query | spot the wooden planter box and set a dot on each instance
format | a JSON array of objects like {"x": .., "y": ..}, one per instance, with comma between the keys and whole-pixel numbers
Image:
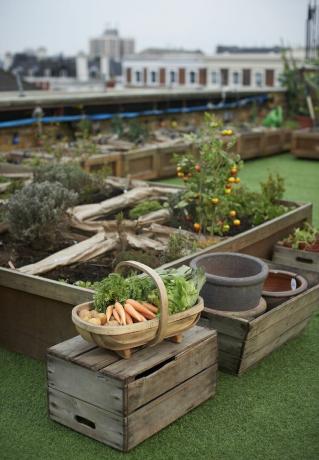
[
  {"x": 249, "y": 145},
  {"x": 165, "y": 152},
  {"x": 306, "y": 260},
  {"x": 114, "y": 161},
  {"x": 141, "y": 163},
  {"x": 272, "y": 142},
  {"x": 305, "y": 144},
  {"x": 242, "y": 344},
  {"x": 123, "y": 402},
  {"x": 286, "y": 139},
  {"x": 35, "y": 300}
]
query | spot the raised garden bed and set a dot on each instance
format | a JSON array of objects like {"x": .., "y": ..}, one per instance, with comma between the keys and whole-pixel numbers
[
  {"x": 249, "y": 145},
  {"x": 272, "y": 142},
  {"x": 37, "y": 300},
  {"x": 244, "y": 343},
  {"x": 305, "y": 144}
]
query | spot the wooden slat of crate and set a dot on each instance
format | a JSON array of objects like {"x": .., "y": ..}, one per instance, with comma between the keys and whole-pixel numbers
[
  {"x": 296, "y": 258},
  {"x": 86, "y": 418},
  {"x": 157, "y": 384}
]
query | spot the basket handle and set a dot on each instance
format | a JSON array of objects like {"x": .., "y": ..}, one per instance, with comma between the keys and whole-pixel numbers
[{"x": 163, "y": 318}]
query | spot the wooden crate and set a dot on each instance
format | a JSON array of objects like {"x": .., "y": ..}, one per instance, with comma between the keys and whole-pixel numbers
[
  {"x": 141, "y": 163},
  {"x": 296, "y": 258},
  {"x": 249, "y": 145},
  {"x": 305, "y": 144},
  {"x": 123, "y": 402},
  {"x": 114, "y": 161},
  {"x": 272, "y": 142},
  {"x": 242, "y": 344}
]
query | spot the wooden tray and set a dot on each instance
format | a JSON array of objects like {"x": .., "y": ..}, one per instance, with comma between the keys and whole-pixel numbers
[{"x": 123, "y": 338}]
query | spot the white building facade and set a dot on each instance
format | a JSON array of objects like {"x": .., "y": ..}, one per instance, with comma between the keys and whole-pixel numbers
[{"x": 224, "y": 71}]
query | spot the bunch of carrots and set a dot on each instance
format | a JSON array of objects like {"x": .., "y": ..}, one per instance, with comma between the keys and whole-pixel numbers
[{"x": 118, "y": 314}]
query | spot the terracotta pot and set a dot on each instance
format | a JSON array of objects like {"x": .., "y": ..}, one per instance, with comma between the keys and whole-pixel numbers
[
  {"x": 233, "y": 281},
  {"x": 280, "y": 285}
]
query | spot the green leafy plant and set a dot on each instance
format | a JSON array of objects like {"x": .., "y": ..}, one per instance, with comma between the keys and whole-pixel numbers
[
  {"x": 302, "y": 237},
  {"x": 35, "y": 211},
  {"x": 137, "y": 133},
  {"x": 72, "y": 177},
  {"x": 144, "y": 207},
  {"x": 273, "y": 188},
  {"x": 180, "y": 244},
  {"x": 207, "y": 204},
  {"x": 117, "y": 126}
]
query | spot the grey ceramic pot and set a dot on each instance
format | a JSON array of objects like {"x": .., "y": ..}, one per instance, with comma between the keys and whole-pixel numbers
[{"x": 233, "y": 281}]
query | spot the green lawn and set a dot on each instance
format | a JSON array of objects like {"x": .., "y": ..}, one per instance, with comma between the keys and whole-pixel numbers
[
  {"x": 270, "y": 413},
  {"x": 301, "y": 177}
]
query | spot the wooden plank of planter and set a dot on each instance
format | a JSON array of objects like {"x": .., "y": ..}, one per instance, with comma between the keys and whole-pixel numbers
[
  {"x": 141, "y": 163},
  {"x": 166, "y": 166},
  {"x": 110, "y": 160},
  {"x": 286, "y": 139},
  {"x": 305, "y": 144},
  {"x": 272, "y": 142},
  {"x": 249, "y": 145},
  {"x": 296, "y": 258},
  {"x": 110, "y": 404}
]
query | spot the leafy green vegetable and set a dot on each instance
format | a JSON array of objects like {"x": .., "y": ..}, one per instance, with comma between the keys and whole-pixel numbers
[{"x": 183, "y": 286}]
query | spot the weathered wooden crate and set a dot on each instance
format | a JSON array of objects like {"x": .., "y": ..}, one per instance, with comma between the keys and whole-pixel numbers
[
  {"x": 114, "y": 161},
  {"x": 242, "y": 344},
  {"x": 121, "y": 403},
  {"x": 272, "y": 142},
  {"x": 305, "y": 144},
  {"x": 249, "y": 145},
  {"x": 296, "y": 258},
  {"x": 141, "y": 163}
]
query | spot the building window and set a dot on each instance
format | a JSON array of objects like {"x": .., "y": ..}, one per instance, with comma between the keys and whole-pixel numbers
[
  {"x": 153, "y": 76},
  {"x": 192, "y": 77},
  {"x": 258, "y": 79},
  {"x": 172, "y": 76},
  {"x": 138, "y": 76},
  {"x": 215, "y": 78},
  {"x": 246, "y": 77},
  {"x": 236, "y": 78}
]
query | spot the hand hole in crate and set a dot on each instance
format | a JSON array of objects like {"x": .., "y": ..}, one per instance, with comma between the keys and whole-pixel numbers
[
  {"x": 154, "y": 369},
  {"x": 85, "y": 421}
]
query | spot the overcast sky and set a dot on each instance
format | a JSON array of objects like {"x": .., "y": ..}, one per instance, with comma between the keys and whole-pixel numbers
[{"x": 66, "y": 25}]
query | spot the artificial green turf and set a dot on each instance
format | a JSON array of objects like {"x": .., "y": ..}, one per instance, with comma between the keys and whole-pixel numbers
[
  {"x": 272, "y": 412},
  {"x": 301, "y": 177}
]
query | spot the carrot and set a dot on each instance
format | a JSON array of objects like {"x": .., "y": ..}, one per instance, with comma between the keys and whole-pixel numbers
[
  {"x": 128, "y": 318},
  {"x": 119, "y": 308},
  {"x": 134, "y": 314},
  {"x": 150, "y": 306},
  {"x": 109, "y": 312},
  {"x": 141, "y": 309},
  {"x": 116, "y": 316}
]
